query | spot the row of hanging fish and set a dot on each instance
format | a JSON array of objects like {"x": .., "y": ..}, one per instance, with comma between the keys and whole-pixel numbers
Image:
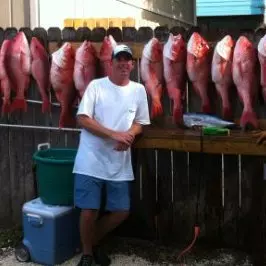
[
  {"x": 232, "y": 63},
  {"x": 163, "y": 66},
  {"x": 67, "y": 72}
]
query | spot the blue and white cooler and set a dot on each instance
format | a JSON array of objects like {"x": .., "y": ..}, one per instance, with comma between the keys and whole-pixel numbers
[{"x": 51, "y": 233}]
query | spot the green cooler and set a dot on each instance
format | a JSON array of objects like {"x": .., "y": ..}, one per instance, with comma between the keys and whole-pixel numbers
[{"x": 54, "y": 176}]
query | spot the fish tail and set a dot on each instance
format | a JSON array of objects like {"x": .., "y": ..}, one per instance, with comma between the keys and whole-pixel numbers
[
  {"x": 264, "y": 93},
  {"x": 178, "y": 115},
  {"x": 227, "y": 113},
  {"x": 46, "y": 106},
  {"x": 156, "y": 109},
  {"x": 18, "y": 104},
  {"x": 6, "y": 107},
  {"x": 206, "y": 108},
  {"x": 249, "y": 118},
  {"x": 66, "y": 120}
]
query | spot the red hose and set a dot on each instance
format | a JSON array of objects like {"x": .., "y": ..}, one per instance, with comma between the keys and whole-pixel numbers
[{"x": 196, "y": 234}]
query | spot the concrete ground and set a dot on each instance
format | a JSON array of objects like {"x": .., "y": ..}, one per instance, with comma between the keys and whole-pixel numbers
[{"x": 132, "y": 252}]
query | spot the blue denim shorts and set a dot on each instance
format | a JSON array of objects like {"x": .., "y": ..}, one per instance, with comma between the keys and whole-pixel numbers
[{"x": 88, "y": 193}]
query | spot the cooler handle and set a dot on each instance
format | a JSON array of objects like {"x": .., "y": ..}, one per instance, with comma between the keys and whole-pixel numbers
[
  {"x": 46, "y": 145},
  {"x": 35, "y": 220}
]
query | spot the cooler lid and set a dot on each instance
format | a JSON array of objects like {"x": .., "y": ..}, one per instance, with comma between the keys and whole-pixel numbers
[{"x": 36, "y": 206}]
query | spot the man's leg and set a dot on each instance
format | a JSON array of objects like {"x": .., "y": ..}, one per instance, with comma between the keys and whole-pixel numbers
[
  {"x": 87, "y": 197},
  {"x": 87, "y": 225},
  {"x": 107, "y": 223},
  {"x": 118, "y": 203}
]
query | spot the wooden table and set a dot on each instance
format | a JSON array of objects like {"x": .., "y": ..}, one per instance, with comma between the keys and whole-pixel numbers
[{"x": 237, "y": 142}]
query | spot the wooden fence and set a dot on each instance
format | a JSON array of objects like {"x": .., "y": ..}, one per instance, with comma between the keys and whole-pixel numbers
[{"x": 165, "y": 193}]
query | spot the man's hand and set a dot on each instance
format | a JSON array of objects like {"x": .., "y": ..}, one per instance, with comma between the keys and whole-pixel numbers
[
  {"x": 261, "y": 137},
  {"x": 121, "y": 146},
  {"x": 123, "y": 137}
]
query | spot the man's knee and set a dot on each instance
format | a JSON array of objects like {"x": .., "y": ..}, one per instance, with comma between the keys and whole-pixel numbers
[
  {"x": 89, "y": 215},
  {"x": 120, "y": 216}
]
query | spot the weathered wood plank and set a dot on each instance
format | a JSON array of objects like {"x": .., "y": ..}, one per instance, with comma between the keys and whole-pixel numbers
[
  {"x": 129, "y": 34},
  {"x": 69, "y": 34},
  {"x": 164, "y": 189},
  {"x": 161, "y": 33},
  {"x": 97, "y": 34},
  {"x": 1, "y": 35},
  {"x": 254, "y": 221},
  {"x": 212, "y": 167},
  {"x": 144, "y": 34},
  {"x": 181, "y": 220},
  {"x": 54, "y": 34},
  {"x": 42, "y": 36},
  {"x": 83, "y": 34},
  {"x": 17, "y": 177},
  {"x": 10, "y": 33},
  {"x": 116, "y": 33},
  {"x": 28, "y": 33},
  {"x": 237, "y": 142},
  {"x": 5, "y": 182},
  {"x": 228, "y": 199}
]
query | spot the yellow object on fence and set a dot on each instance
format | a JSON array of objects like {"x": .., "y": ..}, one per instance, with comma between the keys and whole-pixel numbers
[
  {"x": 79, "y": 23},
  {"x": 99, "y": 22},
  {"x": 68, "y": 22},
  {"x": 90, "y": 23}
]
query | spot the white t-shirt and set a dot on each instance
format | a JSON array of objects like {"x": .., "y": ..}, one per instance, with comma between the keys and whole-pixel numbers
[{"x": 114, "y": 107}]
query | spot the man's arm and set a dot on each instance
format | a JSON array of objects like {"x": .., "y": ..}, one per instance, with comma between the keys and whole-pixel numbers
[
  {"x": 97, "y": 129},
  {"x": 135, "y": 130}
]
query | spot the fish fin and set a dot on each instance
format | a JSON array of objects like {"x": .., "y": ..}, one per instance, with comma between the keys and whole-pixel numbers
[
  {"x": 249, "y": 118},
  {"x": 46, "y": 106},
  {"x": 222, "y": 66},
  {"x": 240, "y": 70},
  {"x": 18, "y": 104}
]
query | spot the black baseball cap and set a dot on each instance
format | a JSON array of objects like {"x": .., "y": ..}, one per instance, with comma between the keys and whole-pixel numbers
[{"x": 122, "y": 48}]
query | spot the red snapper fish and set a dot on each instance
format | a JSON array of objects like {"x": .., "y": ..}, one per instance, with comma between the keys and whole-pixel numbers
[
  {"x": 40, "y": 70},
  {"x": 5, "y": 82},
  {"x": 151, "y": 70},
  {"x": 85, "y": 66},
  {"x": 222, "y": 72},
  {"x": 106, "y": 51},
  {"x": 244, "y": 77},
  {"x": 262, "y": 60},
  {"x": 61, "y": 77},
  {"x": 17, "y": 63},
  {"x": 174, "y": 62},
  {"x": 198, "y": 68}
]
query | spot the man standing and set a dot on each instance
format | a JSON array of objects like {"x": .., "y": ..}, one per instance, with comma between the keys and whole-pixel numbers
[{"x": 111, "y": 113}]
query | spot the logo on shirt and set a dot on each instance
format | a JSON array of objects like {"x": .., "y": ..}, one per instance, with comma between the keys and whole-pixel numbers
[{"x": 131, "y": 111}]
